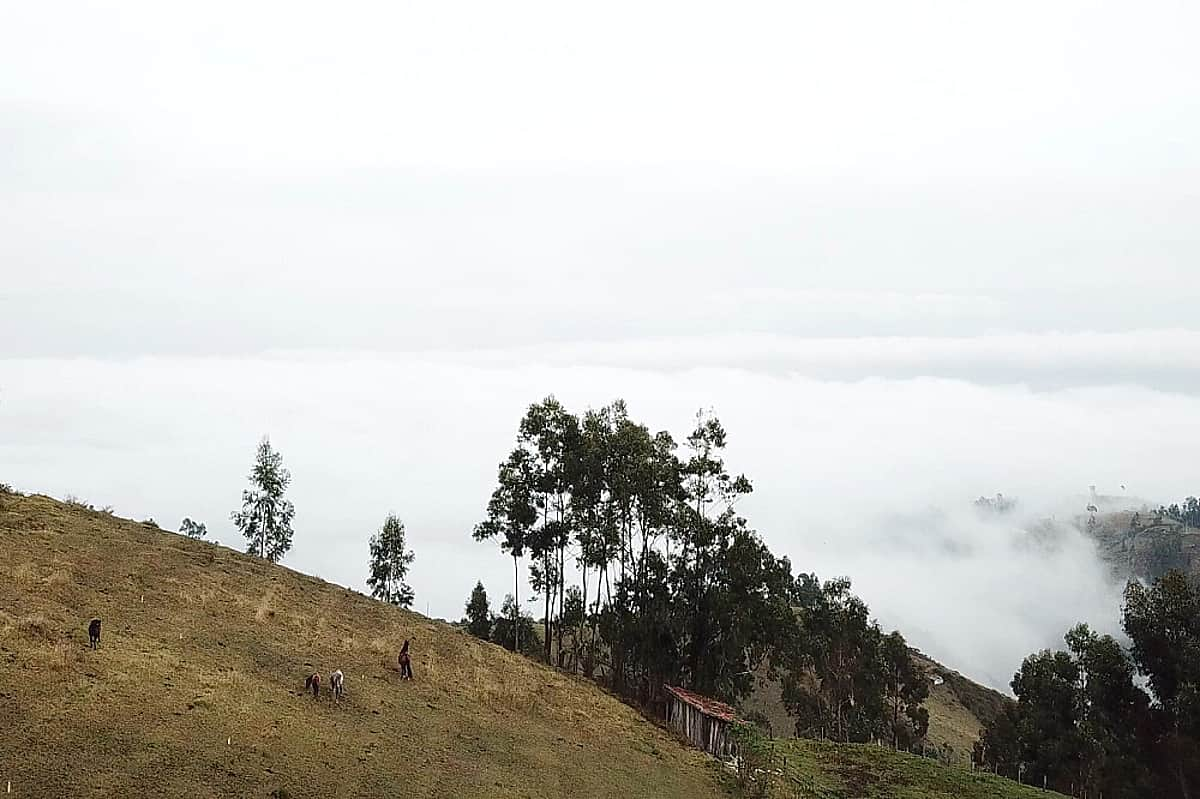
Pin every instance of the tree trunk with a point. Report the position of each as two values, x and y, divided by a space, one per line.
516 606
546 592
580 633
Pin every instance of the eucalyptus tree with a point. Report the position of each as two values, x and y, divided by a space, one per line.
511 515
266 516
390 561
550 436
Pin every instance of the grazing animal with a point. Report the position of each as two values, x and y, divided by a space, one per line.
94 633
405 662
313 683
335 684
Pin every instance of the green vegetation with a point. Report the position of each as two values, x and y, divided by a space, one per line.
390 561
192 529
821 770
1083 724
266 517
1187 513
675 587
478 621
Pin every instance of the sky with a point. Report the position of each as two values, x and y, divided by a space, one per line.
908 253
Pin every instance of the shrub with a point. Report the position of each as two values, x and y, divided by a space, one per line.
192 529
753 759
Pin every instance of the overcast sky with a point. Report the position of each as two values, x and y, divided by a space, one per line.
909 253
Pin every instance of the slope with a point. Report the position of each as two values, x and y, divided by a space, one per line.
197 688
958 709
1140 545
821 770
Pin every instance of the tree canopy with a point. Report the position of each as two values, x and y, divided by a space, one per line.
673 584
266 516
1083 724
390 561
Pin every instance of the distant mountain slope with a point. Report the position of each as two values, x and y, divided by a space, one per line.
958 709
1141 545
821 770
196 690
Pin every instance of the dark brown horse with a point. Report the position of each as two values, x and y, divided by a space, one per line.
313 683
94 633
405 660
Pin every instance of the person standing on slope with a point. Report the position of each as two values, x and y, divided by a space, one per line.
405 662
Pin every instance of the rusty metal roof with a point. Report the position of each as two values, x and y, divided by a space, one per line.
709 707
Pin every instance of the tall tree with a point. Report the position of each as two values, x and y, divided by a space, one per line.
479 613
550 435
1080 724
266 516
390 562
1163 622
843 648
511 514
906 689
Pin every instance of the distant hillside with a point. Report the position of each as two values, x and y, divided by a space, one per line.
1142 545
821 770
958 709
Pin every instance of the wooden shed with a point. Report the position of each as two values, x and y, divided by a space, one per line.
703 721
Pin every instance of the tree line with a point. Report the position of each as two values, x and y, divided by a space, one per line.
1084 725
673 585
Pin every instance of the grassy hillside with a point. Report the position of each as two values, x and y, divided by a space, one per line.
818 770
958 709
197 688
197 691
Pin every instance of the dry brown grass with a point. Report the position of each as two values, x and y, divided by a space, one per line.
217 652
37 627
24 574
56 578
64 655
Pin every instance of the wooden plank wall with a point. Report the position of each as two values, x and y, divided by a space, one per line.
704 731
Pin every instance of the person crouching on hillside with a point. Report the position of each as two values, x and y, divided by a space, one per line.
405 662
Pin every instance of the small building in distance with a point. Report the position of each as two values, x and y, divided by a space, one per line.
703 721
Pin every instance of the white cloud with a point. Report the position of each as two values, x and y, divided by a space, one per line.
911 253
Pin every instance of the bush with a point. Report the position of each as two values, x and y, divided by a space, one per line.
753 759
192 529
